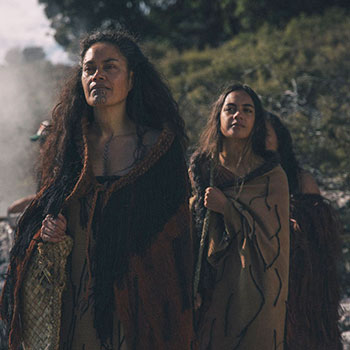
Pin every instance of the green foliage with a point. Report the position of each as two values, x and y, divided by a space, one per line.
254 13
301 73
182 23
72 18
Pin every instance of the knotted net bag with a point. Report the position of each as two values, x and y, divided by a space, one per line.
41 295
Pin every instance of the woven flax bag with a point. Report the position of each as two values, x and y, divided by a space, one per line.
41 295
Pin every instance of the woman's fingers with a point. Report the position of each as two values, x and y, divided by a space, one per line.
51 236
53 229
47 238
60 222
214 199
209 195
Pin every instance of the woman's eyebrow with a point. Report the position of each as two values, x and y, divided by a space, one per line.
244 105
111 60
92 61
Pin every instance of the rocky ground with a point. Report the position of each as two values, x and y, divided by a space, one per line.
6 238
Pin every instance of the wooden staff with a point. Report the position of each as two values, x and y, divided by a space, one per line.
203 239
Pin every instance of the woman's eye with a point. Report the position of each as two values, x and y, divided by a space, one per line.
109 66
89 70
248 110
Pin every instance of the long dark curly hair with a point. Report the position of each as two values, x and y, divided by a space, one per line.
149 104
285 150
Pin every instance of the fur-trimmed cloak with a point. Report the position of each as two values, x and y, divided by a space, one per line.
140 225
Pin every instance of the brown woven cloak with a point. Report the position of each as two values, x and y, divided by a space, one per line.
153 298
249 249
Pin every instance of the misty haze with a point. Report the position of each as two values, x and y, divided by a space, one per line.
29 87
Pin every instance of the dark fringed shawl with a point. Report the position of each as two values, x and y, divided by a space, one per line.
132 216
314 294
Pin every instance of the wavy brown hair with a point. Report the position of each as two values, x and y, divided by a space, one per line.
210 142
149 104
210 145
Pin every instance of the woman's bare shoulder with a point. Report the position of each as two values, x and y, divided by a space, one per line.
308 183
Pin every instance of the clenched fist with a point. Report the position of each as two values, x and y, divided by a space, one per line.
215 200
53 230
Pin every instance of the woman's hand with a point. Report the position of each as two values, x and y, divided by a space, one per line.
53 230
215 200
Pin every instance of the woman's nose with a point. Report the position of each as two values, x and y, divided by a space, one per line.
238 114
98 75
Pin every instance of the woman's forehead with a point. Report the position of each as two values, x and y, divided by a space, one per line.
103 51
239 97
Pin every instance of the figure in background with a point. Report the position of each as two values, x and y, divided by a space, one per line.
114 180
314 292
244 275
18 206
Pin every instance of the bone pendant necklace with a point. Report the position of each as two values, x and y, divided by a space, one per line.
106 155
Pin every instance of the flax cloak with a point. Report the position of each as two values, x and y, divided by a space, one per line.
248 253
314 289
152 285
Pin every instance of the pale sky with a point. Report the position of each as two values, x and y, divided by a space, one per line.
23 23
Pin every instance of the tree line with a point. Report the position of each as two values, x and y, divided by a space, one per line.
183 24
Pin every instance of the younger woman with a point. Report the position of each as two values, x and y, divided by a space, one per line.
314 293
244 274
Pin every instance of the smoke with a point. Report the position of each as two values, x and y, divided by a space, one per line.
28 89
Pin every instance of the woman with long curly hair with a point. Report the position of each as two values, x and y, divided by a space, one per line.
114 180
243 281
314 291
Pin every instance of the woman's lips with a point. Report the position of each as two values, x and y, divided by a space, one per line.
237 125
98 87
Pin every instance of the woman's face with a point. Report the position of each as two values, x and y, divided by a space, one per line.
105 76
271 138
237 115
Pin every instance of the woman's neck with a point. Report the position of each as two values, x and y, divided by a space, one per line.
111 121
238 157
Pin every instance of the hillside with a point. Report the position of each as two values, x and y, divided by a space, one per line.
301 72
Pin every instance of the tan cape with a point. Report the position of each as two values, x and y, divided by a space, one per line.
249 248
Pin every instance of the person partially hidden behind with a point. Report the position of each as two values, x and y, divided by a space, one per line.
314 291
19 205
